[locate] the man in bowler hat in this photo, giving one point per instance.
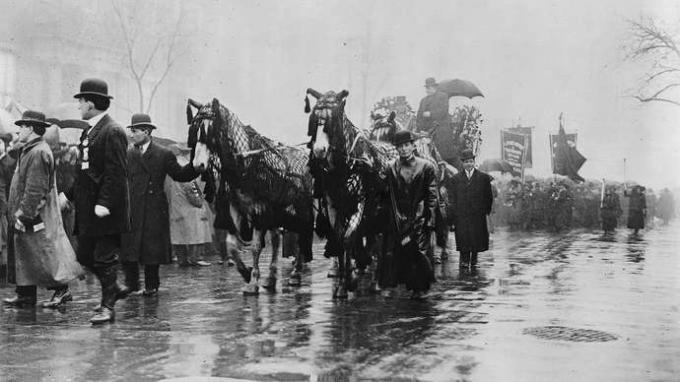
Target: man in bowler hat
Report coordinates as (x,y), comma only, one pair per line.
(100,194)
(412,200)
(472,199)
(148,243)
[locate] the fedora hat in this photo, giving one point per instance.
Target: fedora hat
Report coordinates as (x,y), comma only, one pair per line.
(32,118)
(141,121)
(402,137)
(467,154)
(95,87)
(429,82)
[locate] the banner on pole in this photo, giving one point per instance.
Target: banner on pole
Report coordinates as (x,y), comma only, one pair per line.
(528,132)
(513,150)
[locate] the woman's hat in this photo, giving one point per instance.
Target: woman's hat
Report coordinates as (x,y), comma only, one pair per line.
(32,118)
(95,87)
(430,82)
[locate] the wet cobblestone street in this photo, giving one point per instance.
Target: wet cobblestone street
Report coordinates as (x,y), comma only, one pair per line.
(572,306)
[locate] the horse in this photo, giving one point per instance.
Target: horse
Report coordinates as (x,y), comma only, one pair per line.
(347,168)
(258,186)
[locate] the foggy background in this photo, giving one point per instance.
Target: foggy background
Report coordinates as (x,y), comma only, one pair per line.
(531,59)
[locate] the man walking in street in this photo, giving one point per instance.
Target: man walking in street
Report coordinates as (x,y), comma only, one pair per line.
(100,194)
(412,200)
(43,254)
(472,200)
(148,243)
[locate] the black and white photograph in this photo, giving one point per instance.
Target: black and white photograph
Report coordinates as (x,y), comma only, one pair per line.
(339,190)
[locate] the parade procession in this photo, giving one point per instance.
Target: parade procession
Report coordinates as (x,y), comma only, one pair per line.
(338,191)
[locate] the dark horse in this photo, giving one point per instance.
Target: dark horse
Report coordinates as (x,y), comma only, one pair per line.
(258,185)
(347,170)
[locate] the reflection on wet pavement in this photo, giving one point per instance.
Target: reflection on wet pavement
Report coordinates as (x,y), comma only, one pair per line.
(576,306)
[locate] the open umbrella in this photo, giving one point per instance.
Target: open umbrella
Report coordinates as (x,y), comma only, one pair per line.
(460,88)
(495,165)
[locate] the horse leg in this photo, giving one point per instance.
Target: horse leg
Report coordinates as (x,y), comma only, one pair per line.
(275,239)
(295,278)
(256,249)
(235,247)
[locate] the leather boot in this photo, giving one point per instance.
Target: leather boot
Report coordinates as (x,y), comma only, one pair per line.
(110,293)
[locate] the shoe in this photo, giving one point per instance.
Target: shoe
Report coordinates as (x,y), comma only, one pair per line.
(137,292)
(58,298)
(202,263)
(105,315)
(230,263)
(150,292)
(20,301)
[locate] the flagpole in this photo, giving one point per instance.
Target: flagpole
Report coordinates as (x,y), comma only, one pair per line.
(624,173)
(602,194)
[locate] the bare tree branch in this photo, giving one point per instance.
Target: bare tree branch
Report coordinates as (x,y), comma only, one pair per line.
(656,99)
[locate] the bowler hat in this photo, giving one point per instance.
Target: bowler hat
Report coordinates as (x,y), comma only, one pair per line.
(430,81)
(141,121)
(95,87)
(467,154)
(32,118)
(403,136)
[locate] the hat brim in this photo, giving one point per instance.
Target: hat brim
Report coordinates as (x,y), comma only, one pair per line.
(397,143)
(142,126)
(80,95)
(31,122)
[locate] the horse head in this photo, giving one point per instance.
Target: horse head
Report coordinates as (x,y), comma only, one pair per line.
(384,126)
(326,123)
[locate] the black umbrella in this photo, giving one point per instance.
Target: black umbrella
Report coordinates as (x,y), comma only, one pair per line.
(460,88)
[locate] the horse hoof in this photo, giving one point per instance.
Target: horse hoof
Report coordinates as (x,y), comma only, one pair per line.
(295,280)
(250,289)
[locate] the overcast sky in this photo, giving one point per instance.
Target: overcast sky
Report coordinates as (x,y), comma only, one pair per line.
(532,60)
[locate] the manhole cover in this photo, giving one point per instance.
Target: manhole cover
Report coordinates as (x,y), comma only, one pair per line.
(570,334)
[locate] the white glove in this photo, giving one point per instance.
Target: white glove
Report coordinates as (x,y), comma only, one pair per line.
(101,211)
(62,201)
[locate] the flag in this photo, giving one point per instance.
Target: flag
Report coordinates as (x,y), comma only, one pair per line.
(566,159)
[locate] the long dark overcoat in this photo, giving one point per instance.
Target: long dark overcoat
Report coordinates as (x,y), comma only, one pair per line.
(472,200)
(637,208)
(103,181)
(149,240)
(407,243)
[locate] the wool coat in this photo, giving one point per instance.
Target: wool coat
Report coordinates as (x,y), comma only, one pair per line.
(472,200)
(102,180)
(43,253)
(149,240)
